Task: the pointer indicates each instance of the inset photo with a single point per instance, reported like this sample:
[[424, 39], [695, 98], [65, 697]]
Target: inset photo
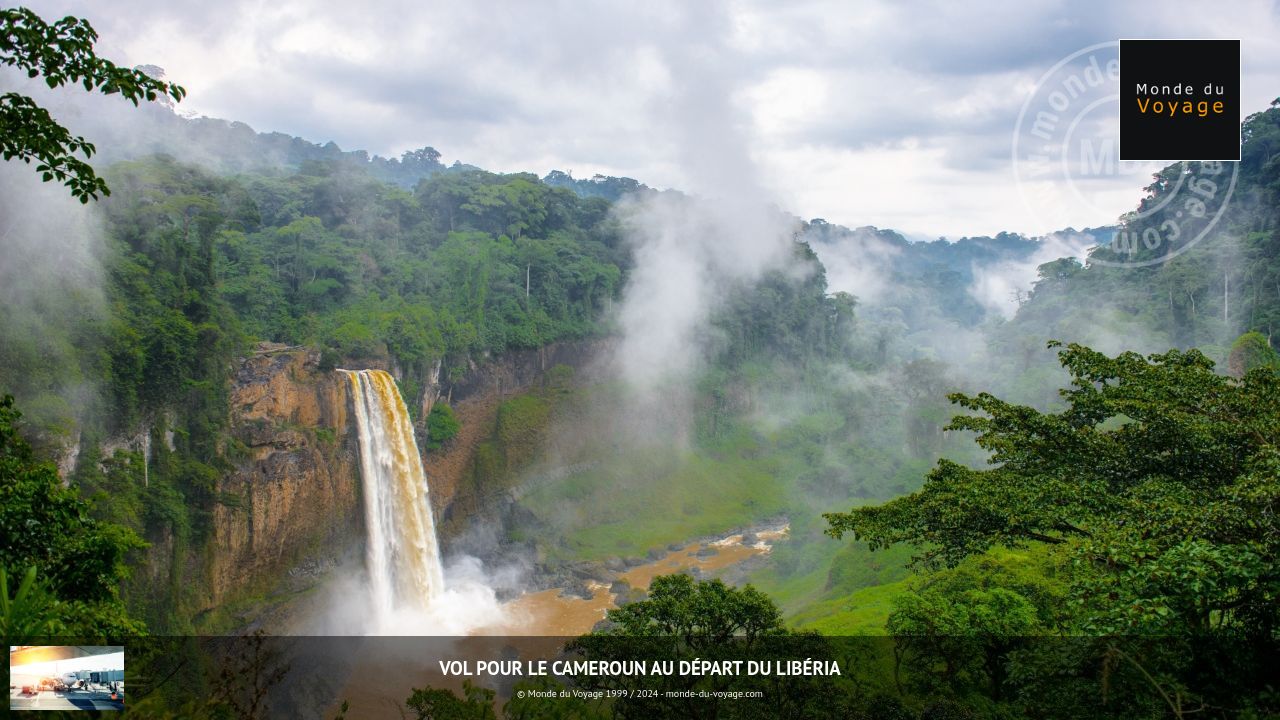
[[66, 677]]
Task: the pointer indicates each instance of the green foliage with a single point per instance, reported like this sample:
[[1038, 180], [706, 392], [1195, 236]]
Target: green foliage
[[48, 529], [1158, 509], [442, 425], [115, 486], [1250, 351], [173, 335], [957, 628], [469, 262], [785, 315], [703, 614], [61, 53], [31, 612], [686, 619], [599, 186], [522, 421], [926, 384], [476, 703], [854, 567]]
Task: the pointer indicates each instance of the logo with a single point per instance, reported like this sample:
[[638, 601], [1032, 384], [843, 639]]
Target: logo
[[1180, 100], [1066, 162]]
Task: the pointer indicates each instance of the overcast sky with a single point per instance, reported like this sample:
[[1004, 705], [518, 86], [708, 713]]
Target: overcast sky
[[899, 115]]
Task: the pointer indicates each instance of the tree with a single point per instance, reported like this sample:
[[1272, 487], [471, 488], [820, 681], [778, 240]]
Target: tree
[[957, 627], [1251, 350], [704, 615], [924, 384], [442, 425], [1157, 480], [438, 704], [684, 619], [1153, 493], [61, 52], [48, 530]]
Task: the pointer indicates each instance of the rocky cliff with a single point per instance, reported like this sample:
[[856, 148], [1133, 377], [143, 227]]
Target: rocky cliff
[[296, 507], [475, 398]]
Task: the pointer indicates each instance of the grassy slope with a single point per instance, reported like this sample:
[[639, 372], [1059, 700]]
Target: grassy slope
[[635, 500], [623, 501]]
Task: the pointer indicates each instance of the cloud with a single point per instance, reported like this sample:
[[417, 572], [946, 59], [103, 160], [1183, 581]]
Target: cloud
[[895, 104]]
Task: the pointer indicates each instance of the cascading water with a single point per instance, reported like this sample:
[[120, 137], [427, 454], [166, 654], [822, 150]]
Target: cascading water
[[403, 557]]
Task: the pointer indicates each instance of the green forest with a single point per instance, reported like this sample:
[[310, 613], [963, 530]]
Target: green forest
[[1053, 526]]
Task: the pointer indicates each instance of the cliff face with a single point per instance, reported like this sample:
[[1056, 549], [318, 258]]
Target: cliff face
[[296, 497], [476, 398]]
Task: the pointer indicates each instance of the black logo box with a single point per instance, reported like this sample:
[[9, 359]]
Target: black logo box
[[1155, 74]]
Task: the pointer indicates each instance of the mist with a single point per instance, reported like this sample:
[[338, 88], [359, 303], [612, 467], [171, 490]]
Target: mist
[[51, 300], [1001, 286], [470, 603], [688, 250], [861, 264]]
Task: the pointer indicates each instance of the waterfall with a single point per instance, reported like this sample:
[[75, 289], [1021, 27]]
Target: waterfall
[[403, 557]]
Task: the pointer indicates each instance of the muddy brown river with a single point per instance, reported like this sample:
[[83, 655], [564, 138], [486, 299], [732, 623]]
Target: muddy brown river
[[550, 612]]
